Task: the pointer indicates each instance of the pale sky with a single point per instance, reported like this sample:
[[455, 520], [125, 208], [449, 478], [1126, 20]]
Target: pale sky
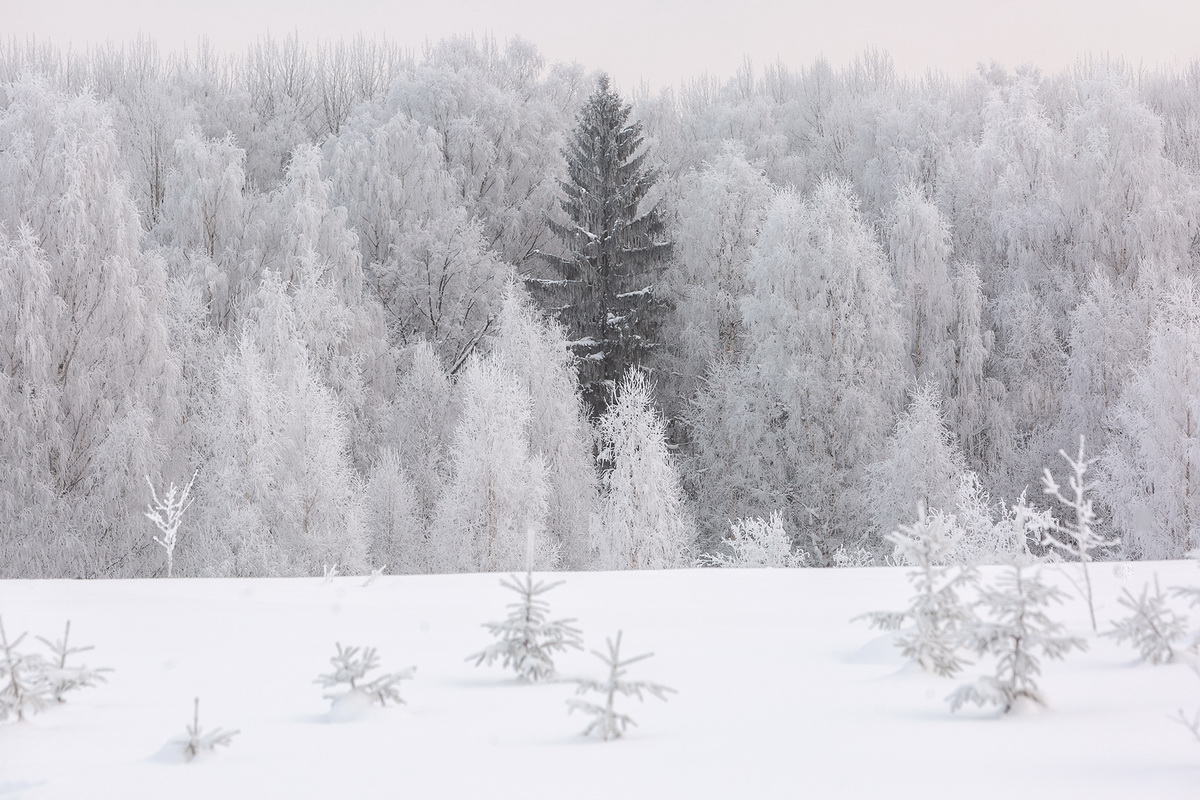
[[664, 41]]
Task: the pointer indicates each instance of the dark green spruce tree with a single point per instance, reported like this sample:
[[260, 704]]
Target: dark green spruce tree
[[603, 289]]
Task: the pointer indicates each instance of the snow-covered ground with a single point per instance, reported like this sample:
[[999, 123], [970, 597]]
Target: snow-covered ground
[[779, 694]]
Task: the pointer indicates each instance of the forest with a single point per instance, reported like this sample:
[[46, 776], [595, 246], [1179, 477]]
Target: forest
[[346, 294]]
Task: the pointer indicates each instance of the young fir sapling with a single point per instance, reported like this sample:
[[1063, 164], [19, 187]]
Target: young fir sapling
[[198, 741], [29, 682], [1079, 538], [1156, 630], [166, 514], [350, 668], [607, 723], [24, 687], [937, 613], [63, 678], [1019, 629], [527, 639]]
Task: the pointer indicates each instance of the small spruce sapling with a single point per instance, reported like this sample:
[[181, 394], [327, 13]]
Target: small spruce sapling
[[527, 640], [166, 514], [1018, 632], [1152, 626], [1078, 538], [607, 723], [938, 614], [351, 667], [63, 678], [198, 741], [29, 682], [757, 542], [24, 686]]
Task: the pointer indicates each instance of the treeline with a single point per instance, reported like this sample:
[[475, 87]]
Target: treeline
[[298, 273]]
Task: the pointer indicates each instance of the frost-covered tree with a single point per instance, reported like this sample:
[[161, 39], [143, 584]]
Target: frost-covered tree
[[718, 211], [91, 395], [167, 514], [939, 616], [603, 289], [535, 352], [608, 723], [643, 522], [492, 514], [824, 356], [280, 495], [424, 414], [1151, 468], [499, 116], [919, 245], [1077, 538], [206, 214], [919, 465], [392, 518], [424, 256], [528, 640], [1017, 632]]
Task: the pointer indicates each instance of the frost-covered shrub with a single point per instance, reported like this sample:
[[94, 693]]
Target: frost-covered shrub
[[860, 557], [937, 613], [198, 741], [1018, 631], [607, 723], [757, 542], [1156, 630], [350, 669], [527, 639]]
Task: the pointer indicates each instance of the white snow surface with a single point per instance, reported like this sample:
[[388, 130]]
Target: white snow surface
[[779, 694]]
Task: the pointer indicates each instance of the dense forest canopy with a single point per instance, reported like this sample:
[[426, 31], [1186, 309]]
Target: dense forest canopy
[[299, 274]]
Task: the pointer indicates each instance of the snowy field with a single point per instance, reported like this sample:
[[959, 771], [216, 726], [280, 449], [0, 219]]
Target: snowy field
[[779, 694]]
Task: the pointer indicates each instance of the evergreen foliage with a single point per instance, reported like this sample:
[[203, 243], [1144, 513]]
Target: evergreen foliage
[[607, 722], [528, 640], [29, 682], [940, 618], [1018, 633], [199, 741], [604, 289], [351, 665], [1152, 626]]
